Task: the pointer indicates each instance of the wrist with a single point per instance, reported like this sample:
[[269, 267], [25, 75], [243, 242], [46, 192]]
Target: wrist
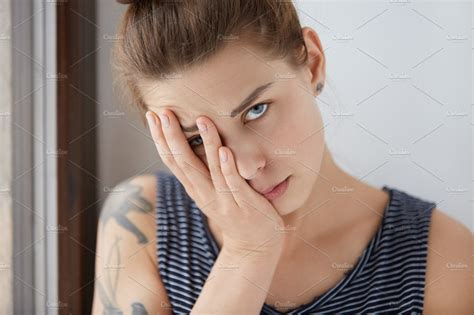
[[268, 253]]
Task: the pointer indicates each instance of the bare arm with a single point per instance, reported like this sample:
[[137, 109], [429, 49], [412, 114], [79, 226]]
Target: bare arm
[[449, 284], [127, 279], [238, 283]]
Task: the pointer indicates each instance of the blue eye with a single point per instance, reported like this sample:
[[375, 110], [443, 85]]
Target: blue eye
[[190, 140], [260, 109], [259, 106]]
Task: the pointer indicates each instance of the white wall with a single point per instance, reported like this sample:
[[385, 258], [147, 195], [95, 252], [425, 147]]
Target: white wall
[[402, 73], [398, 101]]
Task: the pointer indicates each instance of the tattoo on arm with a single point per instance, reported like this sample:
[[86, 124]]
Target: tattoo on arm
[[138, 309], [126, 198], [108, 289]]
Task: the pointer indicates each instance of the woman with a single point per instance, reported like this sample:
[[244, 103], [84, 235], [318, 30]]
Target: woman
[[256, 216]]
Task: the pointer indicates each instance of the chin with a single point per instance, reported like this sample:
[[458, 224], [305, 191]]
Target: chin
[[295, 200]]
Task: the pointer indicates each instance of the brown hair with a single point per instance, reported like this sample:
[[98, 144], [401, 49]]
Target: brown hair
[[160, 37]]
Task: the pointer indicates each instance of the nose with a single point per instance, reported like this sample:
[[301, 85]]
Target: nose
[[254, 175], [249, 157]]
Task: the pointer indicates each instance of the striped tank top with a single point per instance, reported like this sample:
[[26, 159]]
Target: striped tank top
[[389, 275]]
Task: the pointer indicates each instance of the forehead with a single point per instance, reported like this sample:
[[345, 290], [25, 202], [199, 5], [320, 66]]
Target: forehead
[[222, 81]]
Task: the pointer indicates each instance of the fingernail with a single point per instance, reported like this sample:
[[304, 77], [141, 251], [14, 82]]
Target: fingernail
[[150, 119], [223, 155], [202, 127], [164, 120]]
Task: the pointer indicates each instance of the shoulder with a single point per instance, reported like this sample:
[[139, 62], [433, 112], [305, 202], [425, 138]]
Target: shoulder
[[448, 282], [129, 208]]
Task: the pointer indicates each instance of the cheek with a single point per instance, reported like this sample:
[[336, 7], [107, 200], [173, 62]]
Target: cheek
[[310, 153], [301, 132], [295, 126]]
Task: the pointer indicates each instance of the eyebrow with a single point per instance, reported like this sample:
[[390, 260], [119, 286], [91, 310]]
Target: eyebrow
[[246, 102]]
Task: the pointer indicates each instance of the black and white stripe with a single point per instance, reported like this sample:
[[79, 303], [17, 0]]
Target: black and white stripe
[[389, 276]]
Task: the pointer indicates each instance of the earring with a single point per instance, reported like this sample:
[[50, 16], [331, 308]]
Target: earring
[[319, 87]]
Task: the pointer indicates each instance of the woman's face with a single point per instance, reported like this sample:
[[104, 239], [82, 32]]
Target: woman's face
[[275, 134]]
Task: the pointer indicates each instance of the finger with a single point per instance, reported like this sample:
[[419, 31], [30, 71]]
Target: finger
[[181, 150], [187, 174], [162, 147], [243, 194], [212, 142]]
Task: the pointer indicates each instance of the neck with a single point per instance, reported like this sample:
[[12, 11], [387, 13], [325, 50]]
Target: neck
[[330, 207]]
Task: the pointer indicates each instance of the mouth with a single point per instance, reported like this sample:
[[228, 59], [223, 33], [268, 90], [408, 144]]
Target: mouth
[[277, 190]]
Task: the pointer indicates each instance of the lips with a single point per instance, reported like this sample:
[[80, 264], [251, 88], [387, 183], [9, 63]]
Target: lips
[[271, 188]]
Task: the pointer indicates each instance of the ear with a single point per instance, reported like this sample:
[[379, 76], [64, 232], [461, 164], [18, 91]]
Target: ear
[[316, 65]]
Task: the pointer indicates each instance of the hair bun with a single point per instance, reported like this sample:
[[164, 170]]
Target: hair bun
[[125, 1]]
